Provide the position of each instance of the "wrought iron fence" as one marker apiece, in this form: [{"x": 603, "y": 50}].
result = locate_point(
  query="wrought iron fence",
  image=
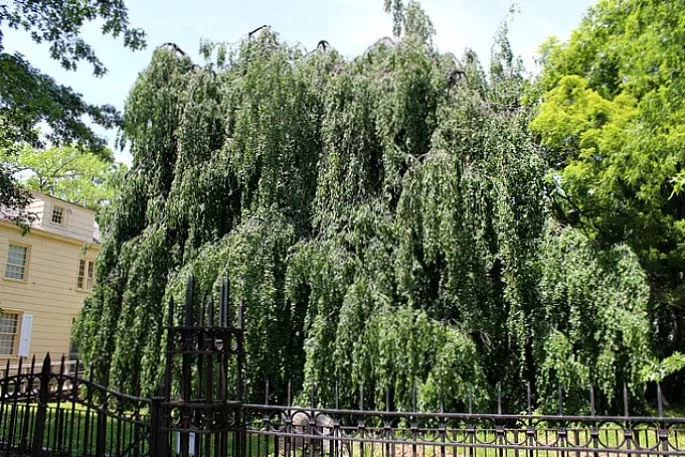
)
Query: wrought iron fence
[
  {"x": 55, "y": 411},
  {"x": 278, "y": 430},
  {"x": 295, "y": 431},
  {"x": 50, "y": 412}
]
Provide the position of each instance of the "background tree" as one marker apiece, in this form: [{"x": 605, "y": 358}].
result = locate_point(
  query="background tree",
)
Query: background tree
[
  {"x": 68, "y": 173},
  {"x": 29, "y": 97},
  {"x": 612, "y": 126}
]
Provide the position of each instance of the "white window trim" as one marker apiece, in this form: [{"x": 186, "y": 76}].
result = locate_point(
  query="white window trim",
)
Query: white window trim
[
  {"x": 85, "y": 274},
  {"x": 17, "y": 334},
  {"x": 64, "y": 215},
  {"x": 26, "y": 262}
]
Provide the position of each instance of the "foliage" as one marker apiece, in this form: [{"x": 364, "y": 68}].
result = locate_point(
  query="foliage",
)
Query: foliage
[
  {"x": 29, "y": 97},
  {"x": 602, "y": 339},
  {"x": 383, "y": 220},
  {"x": 659, "y": 370},
  {"x": 611, "y": 123},
  {"x": 67, "y": 173},
  {"x": 13, "y": 197}
]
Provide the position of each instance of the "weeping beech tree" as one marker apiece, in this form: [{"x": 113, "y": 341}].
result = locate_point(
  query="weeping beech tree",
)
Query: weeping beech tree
[{"x": 383, "y": 219}]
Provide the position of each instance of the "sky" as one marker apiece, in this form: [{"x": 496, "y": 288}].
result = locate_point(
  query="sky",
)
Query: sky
[{"x": 350, "y": 26}]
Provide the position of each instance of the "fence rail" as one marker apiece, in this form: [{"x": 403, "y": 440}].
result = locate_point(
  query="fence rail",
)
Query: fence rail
[{"x": 306, "y": 431}]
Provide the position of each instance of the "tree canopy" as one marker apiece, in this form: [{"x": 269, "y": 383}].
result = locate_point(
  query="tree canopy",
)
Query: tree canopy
[
  {"x": 384, "y": 219},
  {"x": 29, "y": 97},
  {"x": 68, "y": 173},
  {"x": 611, "y": 125}
]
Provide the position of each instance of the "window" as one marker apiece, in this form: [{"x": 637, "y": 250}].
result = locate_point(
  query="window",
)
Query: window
[
  {"x": 9, "y": 323},
  {"x": 86, "y": 274},
  {"x": 16, "y": 262},
  {"x": 57, "y": 215}
]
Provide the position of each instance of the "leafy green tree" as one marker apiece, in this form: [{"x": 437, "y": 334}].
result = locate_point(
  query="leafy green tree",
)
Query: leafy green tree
[
  {"x": 67, "y": 173},
  {"x": 612, "y": 125},
  {"x": 29, "y": 97},
  {"x": 382, "y": 218}
]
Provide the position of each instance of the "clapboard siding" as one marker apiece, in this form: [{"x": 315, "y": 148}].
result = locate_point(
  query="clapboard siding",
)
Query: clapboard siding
[
  {"x": 49, "y": 292},
  {"x": 78, "y": 221}
]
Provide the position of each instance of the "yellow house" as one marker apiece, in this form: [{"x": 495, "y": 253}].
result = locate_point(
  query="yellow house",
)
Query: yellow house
[{"x": 46, "y": 275}]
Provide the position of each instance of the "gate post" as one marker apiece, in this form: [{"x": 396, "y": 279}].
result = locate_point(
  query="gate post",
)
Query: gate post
[{"x": 43, "y": 397}]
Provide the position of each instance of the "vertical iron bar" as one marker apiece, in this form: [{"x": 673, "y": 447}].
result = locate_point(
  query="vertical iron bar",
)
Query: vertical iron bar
[
  {"x": 288, "y": 422},
  {"x": 86, "y": 426},
  {"x": 27, "y": 408},
  {"x": 209, "y": 375},
  {"x": 443, "y": 422},
  {"x": 239, "y": 377},
  {"x": 169, "y": 347},
  {"x": 13, "y": 414},
  {"x": 155, "y": 426},
  {"x": 186, "y": 378},
  {"x": 74, "y": 399},
  {"x": 414, "y": 423},
  {"x": 561, "y": 432},
  {"x": 43, "y": 397},
  {"x": 530, "y": 429},
  {"x": 336, "y": 427},
  {"x": 360, "y": 420},
  {"x": 202, "y": 341},
  {"x": 499, "y": 428},
  {"x": 627, "y": 428},
  {"x": 387, "y": 423},
  {"x": 136, "y": 429},
  {"x": 59, "y": 419},
  {"x": 471, "y": 428},
  {"x": 241, "y": 326},
  {"x": 223, "y": 320},
  {"x": 100, "y": 443},
  {"x": 4, "y": 383}
]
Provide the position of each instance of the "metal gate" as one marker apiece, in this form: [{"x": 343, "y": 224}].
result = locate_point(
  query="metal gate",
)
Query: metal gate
[{"x": 199, "y": 413}]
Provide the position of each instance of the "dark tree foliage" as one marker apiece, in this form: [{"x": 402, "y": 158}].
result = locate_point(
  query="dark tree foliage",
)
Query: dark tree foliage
[
  {"x": 383, "y": 219},
  {"x": 29, "y": 97}
]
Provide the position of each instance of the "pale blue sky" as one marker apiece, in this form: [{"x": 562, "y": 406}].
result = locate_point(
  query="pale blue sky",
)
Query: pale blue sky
[{"x": 348, "y": 25}]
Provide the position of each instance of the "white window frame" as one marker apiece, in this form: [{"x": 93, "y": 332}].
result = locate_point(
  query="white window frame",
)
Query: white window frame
[
  {"x": 25, "y": 275},
  {"x": 89, "y": 266},
  {"x": 17, "y": 333},
  {"x": 63, "y": 218}
]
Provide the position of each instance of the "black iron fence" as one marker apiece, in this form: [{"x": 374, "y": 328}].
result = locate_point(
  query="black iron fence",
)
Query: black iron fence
[
  {"x": 48, "y": 411},
  {"x": 52, "y": 410},
  {"x": 277, "y": 430}
]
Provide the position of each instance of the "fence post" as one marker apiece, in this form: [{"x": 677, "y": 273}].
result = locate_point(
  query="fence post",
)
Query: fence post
[
  {"x": 100, "y": 438},
  {"x": 43, "y": 397},
  {"x": 157, "y": 441}
]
